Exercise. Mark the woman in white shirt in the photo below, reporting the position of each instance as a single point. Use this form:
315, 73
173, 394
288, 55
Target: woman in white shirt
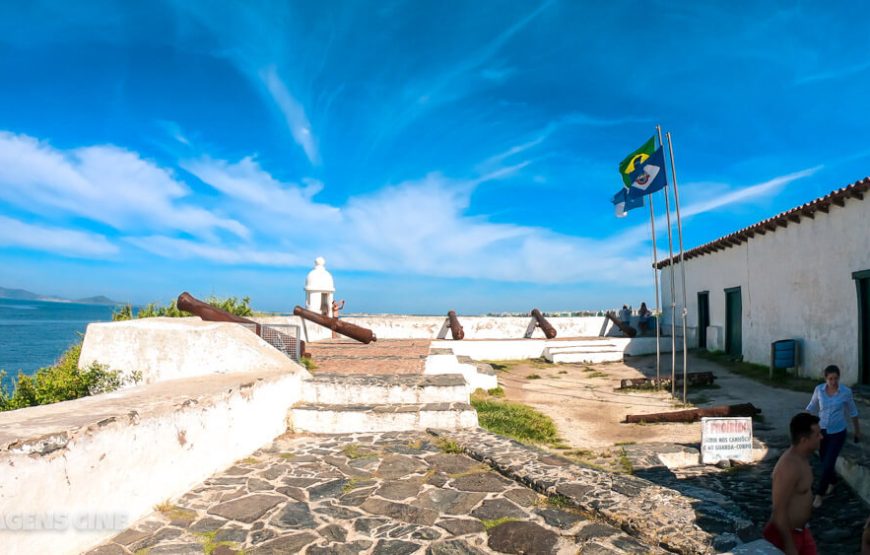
831, 401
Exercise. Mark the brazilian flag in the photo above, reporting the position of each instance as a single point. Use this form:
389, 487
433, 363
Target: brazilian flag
628, 166
643, 171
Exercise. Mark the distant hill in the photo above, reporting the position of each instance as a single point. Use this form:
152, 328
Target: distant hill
24, 295
99, 299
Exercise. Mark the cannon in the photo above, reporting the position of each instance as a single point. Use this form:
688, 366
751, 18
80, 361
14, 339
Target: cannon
623, 326
209, 313
281, 341
455, 328
347, 329
694, 415
694, 379
549, 330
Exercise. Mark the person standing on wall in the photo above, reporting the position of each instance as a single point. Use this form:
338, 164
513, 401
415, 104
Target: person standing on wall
831, 400
643, 321
336, 308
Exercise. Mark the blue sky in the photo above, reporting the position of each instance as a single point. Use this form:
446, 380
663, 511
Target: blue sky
457, 155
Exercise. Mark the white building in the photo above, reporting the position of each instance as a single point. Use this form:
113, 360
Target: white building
803, 274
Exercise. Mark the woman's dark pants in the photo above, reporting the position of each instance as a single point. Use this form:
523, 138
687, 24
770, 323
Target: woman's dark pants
829, 450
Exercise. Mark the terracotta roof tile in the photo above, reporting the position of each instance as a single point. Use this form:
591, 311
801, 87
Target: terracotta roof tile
822, 204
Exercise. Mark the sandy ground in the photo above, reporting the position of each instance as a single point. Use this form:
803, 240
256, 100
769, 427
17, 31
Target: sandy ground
588, 411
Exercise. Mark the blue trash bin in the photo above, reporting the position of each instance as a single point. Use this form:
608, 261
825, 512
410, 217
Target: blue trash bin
784, 353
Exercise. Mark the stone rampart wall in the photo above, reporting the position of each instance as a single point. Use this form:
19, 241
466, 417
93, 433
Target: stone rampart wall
75, 473
397, 326
172, 348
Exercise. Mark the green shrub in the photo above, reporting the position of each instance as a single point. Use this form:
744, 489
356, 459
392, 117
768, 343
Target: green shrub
61, 382
230, 304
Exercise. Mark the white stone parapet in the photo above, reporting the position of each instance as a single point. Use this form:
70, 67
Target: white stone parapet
173, 348
76, 473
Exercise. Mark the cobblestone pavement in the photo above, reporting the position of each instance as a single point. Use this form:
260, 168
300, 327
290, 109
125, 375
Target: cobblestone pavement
837, 527
386, 356
390, 494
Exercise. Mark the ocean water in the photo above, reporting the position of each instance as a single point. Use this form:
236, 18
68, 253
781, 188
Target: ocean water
33, 334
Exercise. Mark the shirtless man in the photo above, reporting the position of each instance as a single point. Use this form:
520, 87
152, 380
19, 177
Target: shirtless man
792, 489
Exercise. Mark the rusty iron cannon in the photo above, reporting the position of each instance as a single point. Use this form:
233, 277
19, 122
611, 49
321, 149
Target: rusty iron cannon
694, 415
455, 328
361, 334
281, 341
540, 321
209, 313
694, 379
623, 326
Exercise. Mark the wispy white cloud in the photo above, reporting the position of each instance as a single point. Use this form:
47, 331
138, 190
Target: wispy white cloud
105, 184
266, 203
540, 136
185, 249
293, 112
63, 241
416, 227
837, 73
766, 188
174, 130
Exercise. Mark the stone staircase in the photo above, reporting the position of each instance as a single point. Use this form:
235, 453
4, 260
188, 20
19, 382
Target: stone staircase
478, 375
588, 351
340, 403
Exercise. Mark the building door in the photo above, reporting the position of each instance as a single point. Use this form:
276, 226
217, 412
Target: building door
703, 318
733, 322
862, 281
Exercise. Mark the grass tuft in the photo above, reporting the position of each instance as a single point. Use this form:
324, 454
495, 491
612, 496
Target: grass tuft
515, 420
448, 446
356, 451
490, 524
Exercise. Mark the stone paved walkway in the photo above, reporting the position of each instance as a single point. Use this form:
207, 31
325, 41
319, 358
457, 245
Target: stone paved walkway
385, 356
391, 493
836, 527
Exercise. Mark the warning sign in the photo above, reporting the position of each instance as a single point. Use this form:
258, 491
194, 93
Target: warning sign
726, 438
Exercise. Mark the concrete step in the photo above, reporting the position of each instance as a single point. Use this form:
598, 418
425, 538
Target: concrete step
477, 375
346, 419
357, 389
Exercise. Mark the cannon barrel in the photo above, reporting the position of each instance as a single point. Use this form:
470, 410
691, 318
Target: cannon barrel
549, 330
623, 326
209, 313
353, 331
281, 341
455, 328
694, 415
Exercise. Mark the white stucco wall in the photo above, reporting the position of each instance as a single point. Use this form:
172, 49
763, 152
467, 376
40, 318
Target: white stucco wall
397, 326
796, 283
173, 348
118, 455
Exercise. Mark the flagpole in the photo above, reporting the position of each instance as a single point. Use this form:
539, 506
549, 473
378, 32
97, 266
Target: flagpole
685, 310
673, 285
652, 224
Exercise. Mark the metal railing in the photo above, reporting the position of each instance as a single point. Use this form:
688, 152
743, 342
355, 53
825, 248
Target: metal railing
284, 337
